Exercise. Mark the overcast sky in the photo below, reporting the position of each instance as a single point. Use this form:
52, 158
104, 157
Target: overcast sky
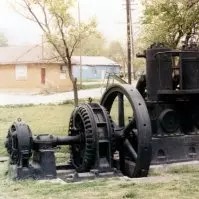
110, 15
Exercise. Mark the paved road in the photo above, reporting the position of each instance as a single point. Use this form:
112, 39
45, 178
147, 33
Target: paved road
24, 99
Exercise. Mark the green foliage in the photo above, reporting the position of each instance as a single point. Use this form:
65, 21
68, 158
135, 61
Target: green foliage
93, 45
61, 30
117, 52
170, 21
3, 40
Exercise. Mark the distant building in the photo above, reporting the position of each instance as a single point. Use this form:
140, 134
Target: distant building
94, 67
31, 69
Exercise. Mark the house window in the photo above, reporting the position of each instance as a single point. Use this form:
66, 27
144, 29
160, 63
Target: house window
63, 71
21, 72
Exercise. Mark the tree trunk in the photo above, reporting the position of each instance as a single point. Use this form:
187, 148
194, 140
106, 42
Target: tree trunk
75, 92
74, 81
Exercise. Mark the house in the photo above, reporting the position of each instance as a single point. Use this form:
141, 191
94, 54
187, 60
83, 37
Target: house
32, 69
94, 67
24, 69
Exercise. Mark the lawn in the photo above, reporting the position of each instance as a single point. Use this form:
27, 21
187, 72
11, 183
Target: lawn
181, 182
52, 119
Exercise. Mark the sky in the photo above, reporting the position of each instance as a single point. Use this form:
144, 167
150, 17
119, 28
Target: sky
110, 15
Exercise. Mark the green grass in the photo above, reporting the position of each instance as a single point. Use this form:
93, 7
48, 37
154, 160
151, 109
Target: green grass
185, 187
84, 87
53, 119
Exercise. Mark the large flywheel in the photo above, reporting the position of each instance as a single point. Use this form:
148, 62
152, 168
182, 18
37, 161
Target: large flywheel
134, 134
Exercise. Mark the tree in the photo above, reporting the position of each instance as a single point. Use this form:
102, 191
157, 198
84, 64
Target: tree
117, 52
60, 28
170, 22
3, 40
92, 46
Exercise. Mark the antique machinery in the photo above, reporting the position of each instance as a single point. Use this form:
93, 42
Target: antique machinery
93, 141
156, 122
171, 92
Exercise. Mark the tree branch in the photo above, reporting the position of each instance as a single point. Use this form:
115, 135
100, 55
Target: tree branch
45, 16
192, 3
34, 16
60, 25
73, 47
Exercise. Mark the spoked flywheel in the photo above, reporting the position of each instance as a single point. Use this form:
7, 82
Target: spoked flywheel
133, 136
90, 122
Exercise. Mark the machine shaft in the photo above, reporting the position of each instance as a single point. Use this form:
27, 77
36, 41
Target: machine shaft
56, 140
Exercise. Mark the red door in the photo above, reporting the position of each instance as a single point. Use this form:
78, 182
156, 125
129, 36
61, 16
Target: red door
43, 75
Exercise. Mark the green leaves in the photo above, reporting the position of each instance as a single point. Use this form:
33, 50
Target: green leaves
60, 28
169, 21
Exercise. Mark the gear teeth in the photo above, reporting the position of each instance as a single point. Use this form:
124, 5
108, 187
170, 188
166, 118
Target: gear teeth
87, 115
89, 146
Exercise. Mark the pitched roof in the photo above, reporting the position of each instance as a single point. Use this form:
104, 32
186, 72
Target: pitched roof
37, 54
93, 61
21, 54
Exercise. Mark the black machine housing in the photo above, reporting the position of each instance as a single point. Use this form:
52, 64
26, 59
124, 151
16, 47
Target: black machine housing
171, 91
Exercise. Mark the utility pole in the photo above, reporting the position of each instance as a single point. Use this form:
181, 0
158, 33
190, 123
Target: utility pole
128, 17
132, 46
80, 46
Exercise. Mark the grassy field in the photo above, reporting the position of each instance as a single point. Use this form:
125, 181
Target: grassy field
52, 119
179, 182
